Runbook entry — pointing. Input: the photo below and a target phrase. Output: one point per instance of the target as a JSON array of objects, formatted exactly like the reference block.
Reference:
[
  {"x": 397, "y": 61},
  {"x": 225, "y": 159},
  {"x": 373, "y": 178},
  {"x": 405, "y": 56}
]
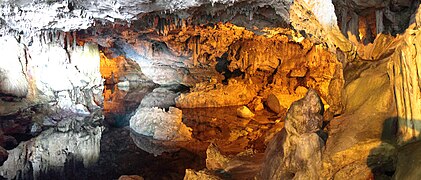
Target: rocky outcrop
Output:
[
  {"x": 296, "y": 151},
  {"x": 160, "y": 125}
]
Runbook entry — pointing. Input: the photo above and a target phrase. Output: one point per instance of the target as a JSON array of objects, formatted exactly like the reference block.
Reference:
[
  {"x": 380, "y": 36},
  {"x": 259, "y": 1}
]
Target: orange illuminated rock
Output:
[
  {"x": 110, "y": 69},
  {"x": 218, "y": 95},
  {"x": 278, "y": 102},
  {"x": 244, "y": 112}
]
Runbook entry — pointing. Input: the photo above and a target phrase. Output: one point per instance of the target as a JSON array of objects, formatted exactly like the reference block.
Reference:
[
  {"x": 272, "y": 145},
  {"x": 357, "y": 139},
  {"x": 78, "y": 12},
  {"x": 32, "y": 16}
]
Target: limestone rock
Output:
[
  {"x": 244, "y": 112},
  {"x": 296, "y": 151},
  {"x": 256, "y": 104},
  {"x": 124, "y": 84},
  {"x": 199, "y": 175},
  {"x": 66, "y": 76},
  {"x": 324, "y": 11},
  {"x": 162, "y": 97},
  {"x": 12, "y": 75},
  {"x": 3, "y": 155},
  {"x": 389, "y": 17},
  {"x": 233, "y": 94},
  {"x": 277, "y": 102},
  {"x": 51, "y": 151},
  {"x": 404, "y": 73},
  {"x": 363, "y": 160},
  {"x": 160, "y": 125},
  {"x": 153, "y": 146},
  {"x": 383, "y": 46},
  {"x": 361, "y": 140},
  {"x": 216, "y": 161}
]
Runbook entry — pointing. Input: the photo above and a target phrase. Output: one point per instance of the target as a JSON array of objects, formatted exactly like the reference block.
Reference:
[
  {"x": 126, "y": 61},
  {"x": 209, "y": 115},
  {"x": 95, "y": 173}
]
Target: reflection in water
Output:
[
  {"x": 150, "y": 145},
  {"x": 54, "y": 154},
  {"x": 120, "y": 105},
  {"x": 82, "y": 150}
]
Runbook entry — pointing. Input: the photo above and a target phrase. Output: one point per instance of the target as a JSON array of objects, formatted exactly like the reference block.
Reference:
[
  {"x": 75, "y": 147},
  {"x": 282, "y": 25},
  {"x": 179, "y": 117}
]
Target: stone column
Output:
[
  {"x": 379, "y": 21},
  {"x": 344, "y": 21},
  {"x": 353, "y": 25},
  {"x": 406, "y": 78}
]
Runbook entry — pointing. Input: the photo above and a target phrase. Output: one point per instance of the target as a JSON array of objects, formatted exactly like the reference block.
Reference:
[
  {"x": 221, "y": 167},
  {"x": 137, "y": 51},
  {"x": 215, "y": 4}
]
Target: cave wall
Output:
[
  {"x": 224, "y": 59},
  {"x": 366, "y": 19},
  {"x": 50, "y": 67}
]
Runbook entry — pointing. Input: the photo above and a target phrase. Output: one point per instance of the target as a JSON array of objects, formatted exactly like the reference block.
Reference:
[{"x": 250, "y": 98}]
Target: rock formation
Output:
[
  {"x": 54, "y": 154},
  {"x": 296, "y": 152},
  {"x": 197, "y": 175},
  {"x": 405, "y": 73},
  {"x": 13, "y": 79},
  {"x": 160, "y": 125}
]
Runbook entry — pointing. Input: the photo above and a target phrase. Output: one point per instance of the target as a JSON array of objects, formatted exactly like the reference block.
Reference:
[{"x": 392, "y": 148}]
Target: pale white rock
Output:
[
  {"x": 30, "y": 16},
  {"x": 123, "y": 84},
  {"x": 81, "y": 109},
  {"x": 324, "y": 11},
  {"x": 64, "y": 101},
  {"x": 12, "y": 77},
  {"x": 160, "y": 97},
  {"x": 68, "y": 76},
  {"x": 160, "y": 125}
]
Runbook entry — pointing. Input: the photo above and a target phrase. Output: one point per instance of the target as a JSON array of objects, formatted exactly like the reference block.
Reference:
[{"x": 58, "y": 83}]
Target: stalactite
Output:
[
  {"x": 61, "y": 37},
  {"x": 379, "y": 21},
  {"x": 67, "y": 40},
  {"x": 74, "y": 40},
  {"x": 353, "y": 25},
  {"x": 344, "y": 21}
]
